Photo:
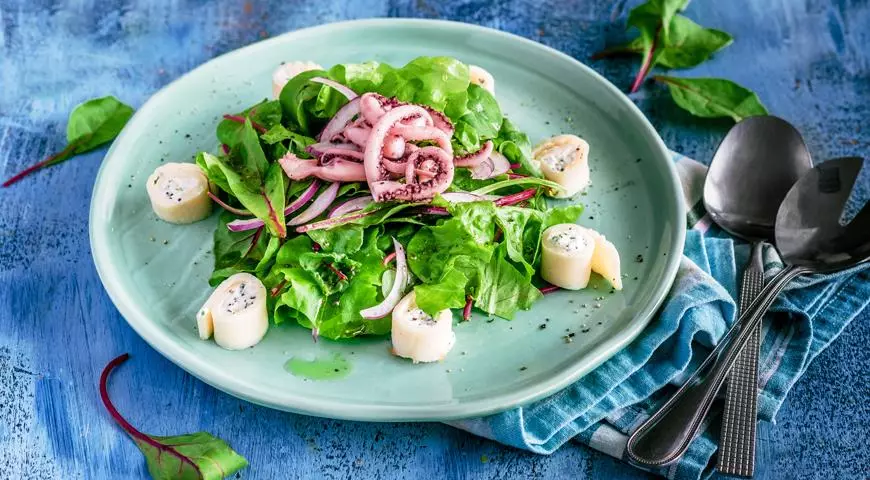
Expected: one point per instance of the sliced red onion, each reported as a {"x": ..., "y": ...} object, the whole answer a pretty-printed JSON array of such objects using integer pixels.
[
  {"x": 349, "y": 206},
  {"x": 342, "y": 117},
  {"x": 399, "y": 285},
  {"x": 317, "y": 207},
  {"x": 347, "y": 92},
  {"x": 493, "y": 166},
  {"x": 234, "y": 210},
  {"x": 307, "y": 195},
  {"x": 244, "y": 225},
  {"x": 252, "y": 223},
  {"x": 333, "y": 222},
  {"x": 434, "y": 211}
]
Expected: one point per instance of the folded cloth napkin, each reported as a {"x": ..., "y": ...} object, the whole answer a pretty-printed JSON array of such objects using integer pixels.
[{"x": 603, "y": 408}]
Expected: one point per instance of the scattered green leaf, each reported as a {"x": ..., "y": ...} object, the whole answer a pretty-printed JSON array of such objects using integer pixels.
[
  {"x": 90, "y": 125},
  {"x": 192, "y": 456},
  {"x": 713, "y": 97}
]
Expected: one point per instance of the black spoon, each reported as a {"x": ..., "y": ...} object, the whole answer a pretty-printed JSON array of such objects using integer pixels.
[{"x": 810, "y": 239}]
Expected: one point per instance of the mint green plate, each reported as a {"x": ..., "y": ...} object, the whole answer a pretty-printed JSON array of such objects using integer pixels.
[{"x": 635, "y": 201}]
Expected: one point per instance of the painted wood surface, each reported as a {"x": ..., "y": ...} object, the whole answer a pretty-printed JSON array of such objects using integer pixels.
[{"x": 808, "y": 60}]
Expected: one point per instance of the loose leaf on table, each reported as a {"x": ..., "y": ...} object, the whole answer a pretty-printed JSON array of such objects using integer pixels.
[
  {"x": 193, "y": 456},
  {"x": 713, "y": 97},
  {"x": 91, "y": 124},
  {"x": 689, "y": 45},
  {"x": 653, "y": 20}
]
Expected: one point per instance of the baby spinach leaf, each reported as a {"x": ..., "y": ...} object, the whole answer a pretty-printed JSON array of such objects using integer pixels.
[
  {"x": 192, "y": 456},
  {"x": 264, "y": 201},
  {"x": 689, "y": 44},
  {"x": 264, "y": 115},
  {"x": 297, "y": 142},
  {"x": 517, "y": 148},
  {"x": 236, "y": 252},
  {"x": 297, "y": 100},
  {"x": 713, "y": 97},
  {"x": 91, "y": 124},
  {"x": 484, "y": 114}
]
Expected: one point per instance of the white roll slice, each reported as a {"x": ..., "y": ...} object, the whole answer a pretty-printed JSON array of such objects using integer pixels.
[
  {"x": 605, "y": 260},
  {"x": 481, "y": 77},
  {"x": 288, "y": 70},
  {"x": 566, "y": 258},
  {"x": 235, "y": 312},
  {"x": 564, "y": 159},
  {"x": 417, "y": 335},
  {"x": 179, "y": 193}
]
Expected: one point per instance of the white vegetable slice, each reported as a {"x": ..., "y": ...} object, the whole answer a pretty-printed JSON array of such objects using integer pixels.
[
  {"x": 288, "y": 70},
  {"x": 179, "y": 193},
  {"x": 605, "y": 260},
  {"x": 564, "y": 159},
  {"x": 566, "y": 258},
  {"x": 235, "y": 312},
  {"x": 418, "y": 336},
  {"x": 481, "y": 77}
]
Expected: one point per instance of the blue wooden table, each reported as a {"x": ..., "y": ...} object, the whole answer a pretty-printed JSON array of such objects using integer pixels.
[{"x": 808, "y": 60}]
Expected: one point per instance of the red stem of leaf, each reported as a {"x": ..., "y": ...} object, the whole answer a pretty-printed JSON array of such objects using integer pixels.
[
  {"x": 315, "y": 247},
  {"x": 225, "y": 206},
  {"x": 612, "y": 52},
  {"x": 225, "y": 148},
  {"x": 549, "y": 289},
  {"x": 466, "y": 312},
  {"x": 647, "y": 62},
  {"x": 435, "y": 211},
  {"x": 515, "y": 198},
  {"x": 254, "y": 240},
  {"x": 336, "y": 271},
  {"x": 516, "y": 175},
  {"x": 125, "y": 425},
  {"x": 515, "y": 166},
  {"x": 277, "y": 289},
  {"x": 282, "y": 229},
  {"x": 240, "y": 119},
  {"x": 389, "y": 258},
  {"x": 39, "y": 165}
]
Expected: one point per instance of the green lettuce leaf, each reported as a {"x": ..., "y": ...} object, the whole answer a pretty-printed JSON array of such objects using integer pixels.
[{"x": 266, "y": 114}]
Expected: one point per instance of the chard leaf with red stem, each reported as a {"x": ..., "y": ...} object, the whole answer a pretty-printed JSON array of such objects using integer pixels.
[
  {"x": 192, "y": 456},
  {"x": 713, "y": 97},
  {"x": 90, "y": 125}
]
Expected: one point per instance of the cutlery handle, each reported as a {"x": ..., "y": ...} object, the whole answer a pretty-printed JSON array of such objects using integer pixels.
[
  {"x": 666, "y": 435},
  {"x": 737, "y": 439}
]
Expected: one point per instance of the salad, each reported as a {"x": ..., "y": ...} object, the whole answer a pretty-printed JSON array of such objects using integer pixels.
[{"x": 371, "y": 200}]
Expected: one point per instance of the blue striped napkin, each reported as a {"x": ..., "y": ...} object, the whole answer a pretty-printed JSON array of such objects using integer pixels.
[{"x": 603, "y": 408}]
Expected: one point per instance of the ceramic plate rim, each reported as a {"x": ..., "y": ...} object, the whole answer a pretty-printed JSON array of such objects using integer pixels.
[{"x": 298, "y": 403}]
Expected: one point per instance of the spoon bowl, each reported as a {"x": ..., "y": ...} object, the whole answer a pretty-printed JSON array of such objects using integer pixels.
[
  {"x": 753, "y": 169},
  {"x": 809, "y": 227}
]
